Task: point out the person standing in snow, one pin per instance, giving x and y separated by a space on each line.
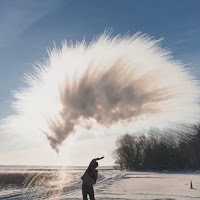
89 178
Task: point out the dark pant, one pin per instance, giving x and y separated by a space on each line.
87 190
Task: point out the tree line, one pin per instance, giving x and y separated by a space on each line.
146 152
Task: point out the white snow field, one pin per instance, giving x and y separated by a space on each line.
111 185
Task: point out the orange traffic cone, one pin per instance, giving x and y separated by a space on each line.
191 187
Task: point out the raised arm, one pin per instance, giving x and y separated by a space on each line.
98 158
95 159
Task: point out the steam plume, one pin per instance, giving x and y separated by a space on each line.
110 81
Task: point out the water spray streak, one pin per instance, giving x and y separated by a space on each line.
108 82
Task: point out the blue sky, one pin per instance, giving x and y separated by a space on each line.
27 27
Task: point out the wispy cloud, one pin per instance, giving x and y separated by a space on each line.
187 32
18 16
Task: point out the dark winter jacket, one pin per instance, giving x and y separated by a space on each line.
90 176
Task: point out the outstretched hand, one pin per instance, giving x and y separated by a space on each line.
97 159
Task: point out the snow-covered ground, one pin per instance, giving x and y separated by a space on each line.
112 184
